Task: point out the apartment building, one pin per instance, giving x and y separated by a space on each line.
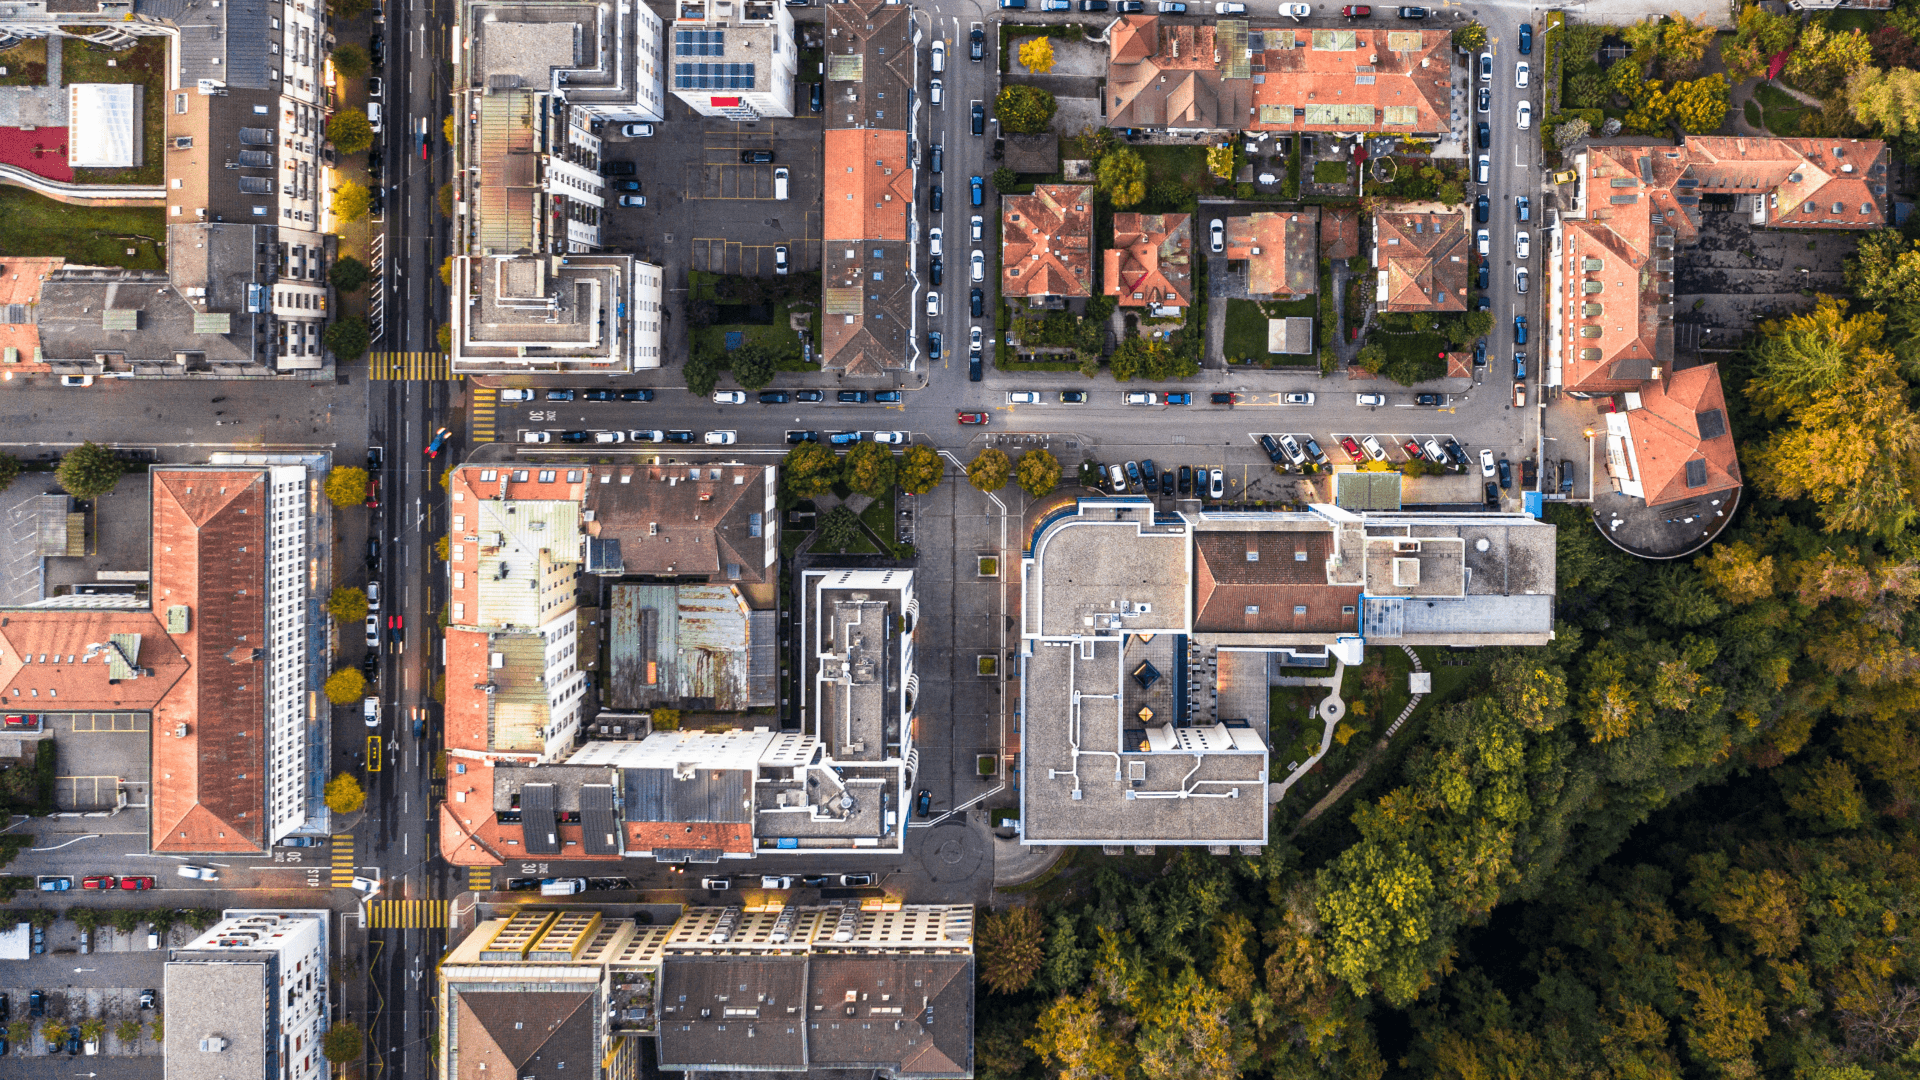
249 997
735 58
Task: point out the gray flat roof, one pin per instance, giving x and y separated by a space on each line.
223 998
1107 560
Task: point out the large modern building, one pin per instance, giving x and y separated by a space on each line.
735 59
249 997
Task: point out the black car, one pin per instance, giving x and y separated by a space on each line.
1480 353
575 436
616 168
814 881
1413 13
1166 482
1093 5
976 44
1485 276
370 666
935 272
1506 474
1186 479
814 102
679 436
373 553
37 1004
1428 399
933 344
377 50
775 397
598 395
979 118
374 459
923 803
1493 495
1455 451
1222 399
973 367
626 185
853 397
1526 38
978 301
798 437
1484 134
559 395
1272 448
938 198
1482 210
936 157
6 1009
887 397
636 395
1073 397
1152 474
809 395
1566 476
756 157
523 884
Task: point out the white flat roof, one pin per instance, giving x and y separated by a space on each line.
102 118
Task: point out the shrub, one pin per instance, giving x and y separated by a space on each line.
350 61
1037 55
128 1032
1005 179
9 470
838 529
666 719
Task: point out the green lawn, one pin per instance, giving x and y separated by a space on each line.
1330 172
26 64
1783 112
1412 350
1185 164
880 518
1246 329
94 236
145 63
777 336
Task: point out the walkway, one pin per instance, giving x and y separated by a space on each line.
1330 710
1355 774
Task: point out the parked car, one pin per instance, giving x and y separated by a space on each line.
809 395
716 884
776 881
1356 11
1296 12
1520 280
1181 398
1272 447
1142 397
756 157
1172 7
1216 484
636 131
857 881
798 437
1520 72
1413 13
1483 243
1526 38
976 301
1482 208
1519 329
775 397
1073 397
1296 399
729 397
1431 400
1217 235
971 417
1505 469
721 438
100 882
142 884
373 631
1486 67
1522 208
1023 397
1373 448
1493 496
976 44
780 259
1566 476
1370 399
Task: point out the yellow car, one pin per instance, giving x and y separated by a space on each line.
1566 176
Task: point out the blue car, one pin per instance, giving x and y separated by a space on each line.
1179 399
1526 38
979 190
1480 353
1519 329
887 397
933 345
1152 474
1133 474
1519 366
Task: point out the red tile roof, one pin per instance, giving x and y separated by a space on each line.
1270 582
1047 242
20 284
1808 183
1279 250
869 185
1151 260
1667 433
734 838
867 290
1421 259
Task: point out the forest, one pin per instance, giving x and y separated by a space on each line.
1679 842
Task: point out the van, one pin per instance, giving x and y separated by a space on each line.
780 183
373 116
153 940
370 709
565 886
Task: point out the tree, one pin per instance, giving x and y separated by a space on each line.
870 469
920 470
838 529
20 1033
347 10
1471 37
810 469
1683 45
450 128
1037 55
1828 797
88 471
346 485
348 274
1699 106
350 132
347 338
1122 174
1823 60
9 470
1762 35
350 201
1187 1033
342 1043
350 61
1894 47
1023 109
54 1031
753 365
989 471
701 372
443 198
345 686
1005 179
443 337
1038 472
157 1030
1220 161
1888 102
93 1029
347 604
1075 1039
128 1032
344 794
1010 949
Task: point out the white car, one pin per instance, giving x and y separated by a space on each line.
1369 399
1216 484
729 397
655 435
936 92
933 304
366 886
1296 12
974 340
636 131
891 438
370 711
979 266
1524 114
977 229
516 395
199 873
1485 168
76 380
373 596
780 259
1296 399
721 438
1486 67
1226 7
1434 453
1522 244
715 884
1292 449
934 236
771 881
1372 446
1217 232
537 438
1141 397
1023 397
1520 75
373 631
1520 280
1484 240
939 54
609 437
1486 463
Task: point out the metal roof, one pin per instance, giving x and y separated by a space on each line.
599 826
540 827
691 795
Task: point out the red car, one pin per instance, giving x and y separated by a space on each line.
1356 11
1413 450
396 627
1352 448
972 418
373 493
99 882
136 884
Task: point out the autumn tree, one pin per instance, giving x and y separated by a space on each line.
1471 37
1683 45
350 201
990 470
344 795
350 131
920 470
1699 106
347 604
1038 472
1010 950
810 469
1122 174
346 485
342 1043
1023 109
345 686
1823 59
350 61
870 469
1761 36
1075 1040
1036 55
1888 102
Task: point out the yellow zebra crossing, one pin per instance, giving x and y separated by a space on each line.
410 366
480 409
479 879
407 914
343 861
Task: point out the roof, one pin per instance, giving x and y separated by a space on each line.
870 66
714 521
868 185
1280 250
909 1015
224 997
145 322
1038 154
1681 440
1047 241
733 1011
867 284
512 1030
1421 259
19 300
104 122
1270 582
1811 183
1151 260
686 646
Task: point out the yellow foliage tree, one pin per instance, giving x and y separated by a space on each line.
1699 106
1037 55
344 795
346 485
350 201
1220 161
344 687
1887 101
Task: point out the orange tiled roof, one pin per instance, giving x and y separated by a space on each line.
1681 438
1151 260
734 838
1421 259
1275 593
1807 183
1279 250
20 284
1047 242
869 192
869 185
465 723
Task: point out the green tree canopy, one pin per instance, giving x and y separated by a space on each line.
9 470
1004 179
809 469
348 274
702 371
349 60
347 338
343 1043
1023 109
1038 472
838 528
870 469
88 471
350 131
990 470
920 470
1010 949
753 365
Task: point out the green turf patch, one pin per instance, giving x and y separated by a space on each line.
1330 172
1246 330
89 235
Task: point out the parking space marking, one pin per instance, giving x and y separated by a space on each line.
722 256
373 753
92 798
729 180
91 723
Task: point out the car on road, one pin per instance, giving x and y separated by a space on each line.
1372 446
1172 7
975 337
1186 479
1229 7
291 841
605 437
1023 397
934 237
977 302
1073 397
976 185
891 438
1093 5
373 631
1523 114
1519 329
852 397
1296 399
971 417
1457 455
1166 482
935 270
809 395
797 437
1370 399
1483 135
1217 235
815 102
1485 166
626 185
1522 244
1485 104
1519 395
516 395
1412 448
1313 450
938 198
439 440
1133 475
36 1003
1522 208
1505 469
1434 453
976 228
716 884
1482 209
76 381
1432 400
1486 67
933 305
1483 277
100 882
1352 448
523 884
1182 398
775 397
636 131
923 803
979 264
1216 484
598 395
1296 12
1520 72
1142 397
560 395
1116 478
22 722
857 881
756 157
617 168
1356 11
1291 447
575 436
887 397
198 873
933 344
976 43
1493 495
776 881
939 55
646 435
1483 241
721 438
780 259
729 397
142 884
1486 463
1526 38
1221 398
396 627
633 200
1520 280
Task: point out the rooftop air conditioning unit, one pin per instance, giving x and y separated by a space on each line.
214 1044
179 731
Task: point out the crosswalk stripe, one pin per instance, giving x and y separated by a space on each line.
410 366
342 856
479 879
480 426
407 914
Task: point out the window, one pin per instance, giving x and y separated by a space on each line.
180 104
1299 556
1253 609
1253 556
260 211
1696 473
183 142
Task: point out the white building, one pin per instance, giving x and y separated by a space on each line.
735 58
248 998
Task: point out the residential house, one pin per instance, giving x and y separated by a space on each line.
1151 261
1279 252
1422 258
1046 245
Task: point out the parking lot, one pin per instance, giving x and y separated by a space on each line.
101 756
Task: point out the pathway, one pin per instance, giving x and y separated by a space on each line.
1330 710
1343 345
1359 771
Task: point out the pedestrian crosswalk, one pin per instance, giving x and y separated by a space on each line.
410 366
342 860
407 914
479 879
480 403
